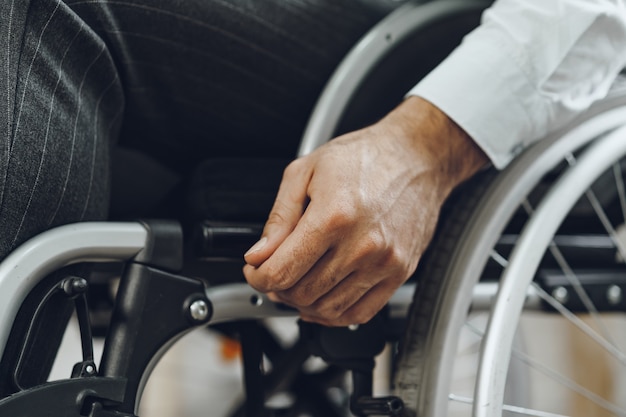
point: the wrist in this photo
(438, 139)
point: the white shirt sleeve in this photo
(528, 69)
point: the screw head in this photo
(560, 294)
(614, 295)
(256, 300)
(90, 369)
(199, 310)
(74, 286)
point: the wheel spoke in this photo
(619, 184)
(557, 377)
(571, 276)
(597, 207)
(500, 260)
(602, 339)
(510, 408)
(580, 324)
(580, 291)
(569, 383)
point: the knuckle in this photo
(298, 296)
(358, 316)
(394, 258)
(374, 242)
(276, 217)
(342, 217)
(259, 283)
(383, 251)
(308, 291)
(396, 280)
(329, 310)
(278, 278)
(295, 168)
(371, 246)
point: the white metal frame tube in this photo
(25, 267)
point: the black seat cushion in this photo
(233, 189)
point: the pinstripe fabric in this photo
(62, 103)
(178, 79)
(222, 77)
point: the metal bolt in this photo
(199, 310)
(75, 286)
(256, 300)
(614, 295)
(79, 285)
(560, 294)
(89, 369)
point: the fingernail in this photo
(257, 246)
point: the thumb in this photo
(287, 210)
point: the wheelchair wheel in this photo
(550, 229)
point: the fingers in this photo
(294, 237)
(354, 300)
(350, 304)
(318, 281)
(330, 295)
(298, 253)
(288, 208)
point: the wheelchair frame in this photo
(156, 306)
(153, 250)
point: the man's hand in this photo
(352, 219)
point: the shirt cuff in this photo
(483, 89)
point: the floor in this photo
(200, 375)
(196, 373)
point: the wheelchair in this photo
(548, 234)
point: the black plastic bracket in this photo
(354, 348)
(153, 309)
(164, 246)
(65, 398)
